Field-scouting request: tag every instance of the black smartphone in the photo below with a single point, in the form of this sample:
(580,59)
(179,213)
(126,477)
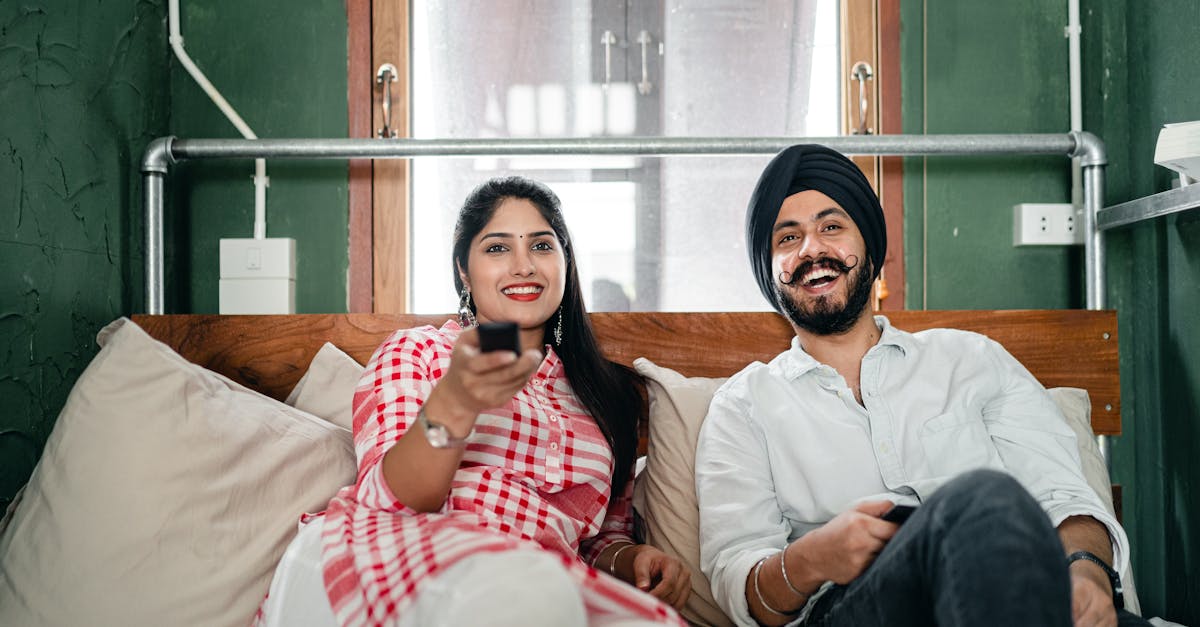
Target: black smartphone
(899,513)
(499,336)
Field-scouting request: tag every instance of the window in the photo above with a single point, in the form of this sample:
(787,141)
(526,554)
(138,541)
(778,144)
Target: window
(651,233)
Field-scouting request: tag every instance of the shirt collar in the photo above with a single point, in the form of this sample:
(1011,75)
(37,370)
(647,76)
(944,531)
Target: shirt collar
(795,362)
(552,365)
(891,336)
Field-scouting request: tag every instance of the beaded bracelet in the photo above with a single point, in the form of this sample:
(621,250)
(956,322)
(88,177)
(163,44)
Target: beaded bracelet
(788,582)
(612,566)
(757,592)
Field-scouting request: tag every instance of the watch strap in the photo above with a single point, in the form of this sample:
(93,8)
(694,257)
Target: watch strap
(1113,577)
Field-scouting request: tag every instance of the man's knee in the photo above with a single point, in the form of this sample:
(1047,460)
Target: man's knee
(989,488)
(991,500)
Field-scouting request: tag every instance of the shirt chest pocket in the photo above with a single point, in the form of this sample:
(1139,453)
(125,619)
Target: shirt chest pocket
(956,442)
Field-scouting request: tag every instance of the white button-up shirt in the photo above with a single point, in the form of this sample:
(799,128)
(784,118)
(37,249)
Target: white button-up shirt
(786,447)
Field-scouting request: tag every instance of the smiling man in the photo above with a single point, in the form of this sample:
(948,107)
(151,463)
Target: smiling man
(801,459)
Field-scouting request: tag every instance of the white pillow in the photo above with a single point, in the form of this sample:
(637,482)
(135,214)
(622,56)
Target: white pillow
(1077,407)
(665,494)
(165,496)
(327,388)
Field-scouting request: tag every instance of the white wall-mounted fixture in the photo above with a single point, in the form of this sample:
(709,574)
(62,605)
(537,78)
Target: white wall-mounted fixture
(258,276)
(1047,224)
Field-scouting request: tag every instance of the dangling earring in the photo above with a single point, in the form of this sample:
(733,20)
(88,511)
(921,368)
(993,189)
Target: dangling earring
(558,328)
(466,317)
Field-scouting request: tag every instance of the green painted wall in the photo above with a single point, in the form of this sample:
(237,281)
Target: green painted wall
(1154,270)
(82,93)
(976,66)
(85,86)
(283,69)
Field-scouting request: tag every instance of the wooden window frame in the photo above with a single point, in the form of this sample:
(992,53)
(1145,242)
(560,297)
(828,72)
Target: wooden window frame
(379,212)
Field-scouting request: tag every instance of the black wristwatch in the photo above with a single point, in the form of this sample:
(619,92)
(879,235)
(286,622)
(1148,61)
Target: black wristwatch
(1113,577)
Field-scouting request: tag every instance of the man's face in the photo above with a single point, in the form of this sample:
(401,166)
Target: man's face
(818,257)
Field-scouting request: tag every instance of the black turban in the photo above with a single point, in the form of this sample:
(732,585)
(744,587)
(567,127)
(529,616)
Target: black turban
(800,168)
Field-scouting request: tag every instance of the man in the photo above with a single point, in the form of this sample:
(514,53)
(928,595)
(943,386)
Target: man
(799,459)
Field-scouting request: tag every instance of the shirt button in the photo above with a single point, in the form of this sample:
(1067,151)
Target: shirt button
(554,446)
(553,418)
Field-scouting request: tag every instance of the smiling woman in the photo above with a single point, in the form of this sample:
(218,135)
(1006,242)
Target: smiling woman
(477,464)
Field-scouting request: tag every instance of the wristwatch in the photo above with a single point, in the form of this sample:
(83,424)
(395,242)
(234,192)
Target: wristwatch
(1113,577)
(438,435)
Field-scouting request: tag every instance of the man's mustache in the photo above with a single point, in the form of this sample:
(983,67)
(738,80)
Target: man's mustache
(829,262)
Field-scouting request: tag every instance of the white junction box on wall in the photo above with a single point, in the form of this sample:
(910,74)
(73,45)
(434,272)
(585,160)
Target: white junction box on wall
(1046,224)
(258,276)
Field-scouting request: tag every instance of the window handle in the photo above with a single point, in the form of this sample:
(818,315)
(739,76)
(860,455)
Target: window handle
(644,86)
(862,73)
(386,75)
(608,39)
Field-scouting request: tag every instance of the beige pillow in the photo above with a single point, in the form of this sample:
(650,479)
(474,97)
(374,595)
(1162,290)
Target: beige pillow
(327,388)
(665,494)
(165,496)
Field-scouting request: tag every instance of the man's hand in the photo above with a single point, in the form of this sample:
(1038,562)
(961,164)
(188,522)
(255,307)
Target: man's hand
(841,549)
(1091,596)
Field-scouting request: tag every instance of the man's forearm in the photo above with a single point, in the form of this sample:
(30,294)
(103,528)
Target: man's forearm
(1084,533)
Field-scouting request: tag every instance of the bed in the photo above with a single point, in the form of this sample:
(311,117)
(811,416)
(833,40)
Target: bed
(187,451)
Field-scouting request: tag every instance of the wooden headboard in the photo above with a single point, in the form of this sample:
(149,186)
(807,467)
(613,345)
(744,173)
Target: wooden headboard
(1075,348)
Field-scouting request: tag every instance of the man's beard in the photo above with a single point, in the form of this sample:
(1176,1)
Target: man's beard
(822,316)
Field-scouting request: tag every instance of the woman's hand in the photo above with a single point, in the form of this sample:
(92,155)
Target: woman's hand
(661,575)
(476,381)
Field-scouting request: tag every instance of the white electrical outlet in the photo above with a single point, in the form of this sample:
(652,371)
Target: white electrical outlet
(258,276)
(1046,224)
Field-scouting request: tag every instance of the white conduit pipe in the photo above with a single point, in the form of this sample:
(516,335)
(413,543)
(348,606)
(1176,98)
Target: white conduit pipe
(1075,81)
(1076,94)
(261,182)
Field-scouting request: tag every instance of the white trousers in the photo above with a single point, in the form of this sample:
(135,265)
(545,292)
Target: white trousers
(510,589)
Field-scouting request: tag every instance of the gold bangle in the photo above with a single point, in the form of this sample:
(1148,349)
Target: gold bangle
(786,581)
(612,566)
(758,593)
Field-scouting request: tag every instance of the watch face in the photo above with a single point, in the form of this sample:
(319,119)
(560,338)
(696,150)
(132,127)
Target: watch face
(437,435)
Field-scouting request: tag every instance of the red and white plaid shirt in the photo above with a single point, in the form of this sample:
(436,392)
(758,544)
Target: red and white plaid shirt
(535,473)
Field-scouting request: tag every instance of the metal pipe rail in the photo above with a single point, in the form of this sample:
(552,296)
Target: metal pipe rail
(164,152)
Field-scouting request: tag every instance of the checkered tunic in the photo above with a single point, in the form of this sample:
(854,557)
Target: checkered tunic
(535,473)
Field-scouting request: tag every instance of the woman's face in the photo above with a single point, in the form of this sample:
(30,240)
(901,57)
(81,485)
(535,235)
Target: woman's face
(516,269)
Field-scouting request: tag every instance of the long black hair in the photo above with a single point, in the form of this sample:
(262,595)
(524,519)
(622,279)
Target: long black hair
(607,390)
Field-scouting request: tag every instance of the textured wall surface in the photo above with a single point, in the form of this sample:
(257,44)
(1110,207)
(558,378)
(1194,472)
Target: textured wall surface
(82,91)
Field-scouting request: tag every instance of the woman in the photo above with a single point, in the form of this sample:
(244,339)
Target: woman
(486,482)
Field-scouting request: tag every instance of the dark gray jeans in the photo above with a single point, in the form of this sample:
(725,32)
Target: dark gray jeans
(980,551)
